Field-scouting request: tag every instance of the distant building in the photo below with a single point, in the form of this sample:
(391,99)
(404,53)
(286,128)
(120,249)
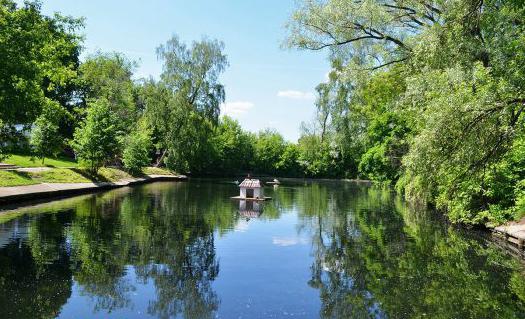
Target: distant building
(251,188)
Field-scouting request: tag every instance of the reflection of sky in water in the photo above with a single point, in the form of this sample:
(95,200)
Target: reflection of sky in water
(289,241)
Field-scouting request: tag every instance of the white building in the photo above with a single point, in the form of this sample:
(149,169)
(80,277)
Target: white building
(251,188)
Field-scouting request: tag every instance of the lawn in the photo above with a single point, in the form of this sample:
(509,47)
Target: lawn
(77,175)
(28,161)
(70,175)
(12,178)
(60,175)
(157,171)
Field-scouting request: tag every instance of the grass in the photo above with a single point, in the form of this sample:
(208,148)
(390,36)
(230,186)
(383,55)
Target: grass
(156,171)
(72,175)
(78,175)
(60,175)
(13,178)
(112,174)
(28,161)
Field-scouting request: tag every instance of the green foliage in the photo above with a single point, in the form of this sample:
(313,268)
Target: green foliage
(136,149)
(4,138)
(427,95)
(108,76)
(45,139)
(268,148)
(315,157)
(183,107)
(288,164)
(96,140)
(38,60)
(234,148)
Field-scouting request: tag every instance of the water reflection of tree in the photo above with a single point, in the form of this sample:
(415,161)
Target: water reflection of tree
(374,257)
(164,234)
(168,238)
(35,279)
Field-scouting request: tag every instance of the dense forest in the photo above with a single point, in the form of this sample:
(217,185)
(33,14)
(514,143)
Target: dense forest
(424,96)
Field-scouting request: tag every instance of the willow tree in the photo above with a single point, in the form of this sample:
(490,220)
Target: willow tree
(184,105)
(461,69)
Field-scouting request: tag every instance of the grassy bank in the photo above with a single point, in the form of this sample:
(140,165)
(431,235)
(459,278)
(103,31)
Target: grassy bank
(28,161)
(70,175)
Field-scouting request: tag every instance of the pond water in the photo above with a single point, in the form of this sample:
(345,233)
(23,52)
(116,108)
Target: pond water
(186,250)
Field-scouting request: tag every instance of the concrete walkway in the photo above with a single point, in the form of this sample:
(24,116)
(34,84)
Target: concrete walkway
(45,190)
(33,169)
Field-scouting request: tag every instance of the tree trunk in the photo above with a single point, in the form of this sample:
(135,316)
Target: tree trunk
(159,161)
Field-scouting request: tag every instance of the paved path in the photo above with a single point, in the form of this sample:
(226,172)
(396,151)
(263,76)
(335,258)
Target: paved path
(15,193)
(7,166)
(33,169)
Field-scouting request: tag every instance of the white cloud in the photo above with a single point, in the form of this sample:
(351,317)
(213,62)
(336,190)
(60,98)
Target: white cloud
(236,108)
(327,77)
(296,95)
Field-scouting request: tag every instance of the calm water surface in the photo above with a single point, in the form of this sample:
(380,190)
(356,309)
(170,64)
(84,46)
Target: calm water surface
(185,250)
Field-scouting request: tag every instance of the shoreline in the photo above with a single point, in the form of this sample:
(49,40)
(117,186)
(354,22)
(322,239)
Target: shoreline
(20,194)
(509,236)
(512,233)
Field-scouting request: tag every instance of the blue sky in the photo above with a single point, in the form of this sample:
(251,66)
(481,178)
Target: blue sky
(266,86)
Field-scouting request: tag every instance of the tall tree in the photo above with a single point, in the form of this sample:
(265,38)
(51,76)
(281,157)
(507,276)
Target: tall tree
(38,60)
(109,76)
(457,102)
(233,147)
(184,106)
(269,147)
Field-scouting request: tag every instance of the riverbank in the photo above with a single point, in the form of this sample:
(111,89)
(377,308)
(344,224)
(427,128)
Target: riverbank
(512,234)
(15,194)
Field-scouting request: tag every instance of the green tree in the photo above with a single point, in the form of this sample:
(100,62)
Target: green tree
(424,91)
(38,60)
(45,139)
(288,164)
(269,147)
(96,140)
(137,147)
(108,76)
(184,106)
(233,147)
